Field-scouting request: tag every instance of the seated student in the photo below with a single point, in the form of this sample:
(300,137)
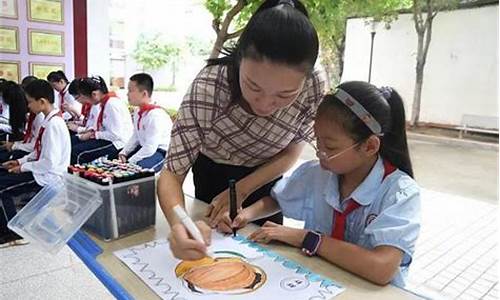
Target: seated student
(113,126)
(15,104)
(149,143)
(83,120)
(63,100)
(14,96)
(360,204)
(43,166)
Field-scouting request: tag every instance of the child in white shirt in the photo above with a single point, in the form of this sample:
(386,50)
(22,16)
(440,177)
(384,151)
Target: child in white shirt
(149,143)
(45,165)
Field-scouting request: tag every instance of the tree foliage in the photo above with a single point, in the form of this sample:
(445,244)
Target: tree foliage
(152,52)
(329,17)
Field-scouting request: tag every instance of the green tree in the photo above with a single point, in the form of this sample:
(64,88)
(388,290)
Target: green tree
(226,13)
(152,52)
(329,17)
(424,12)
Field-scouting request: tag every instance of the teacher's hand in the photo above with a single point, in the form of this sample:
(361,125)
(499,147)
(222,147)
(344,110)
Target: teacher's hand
(220,205)
(184,247)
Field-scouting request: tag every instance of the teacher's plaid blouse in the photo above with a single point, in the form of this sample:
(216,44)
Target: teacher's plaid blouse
(210,123)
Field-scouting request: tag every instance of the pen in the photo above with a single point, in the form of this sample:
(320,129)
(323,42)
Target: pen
(232,202)
(190,226)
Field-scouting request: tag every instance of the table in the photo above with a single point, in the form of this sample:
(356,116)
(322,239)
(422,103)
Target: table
(124,284)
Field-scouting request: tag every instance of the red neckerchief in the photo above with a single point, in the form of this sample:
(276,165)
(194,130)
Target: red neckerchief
(144,109)
(27,134)
(339,218)
(85,112)
(38,143)
(104,100)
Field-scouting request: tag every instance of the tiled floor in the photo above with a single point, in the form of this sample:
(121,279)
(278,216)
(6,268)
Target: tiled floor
(28,273)
(456,254)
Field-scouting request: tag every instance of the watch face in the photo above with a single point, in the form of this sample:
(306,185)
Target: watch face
(310,243)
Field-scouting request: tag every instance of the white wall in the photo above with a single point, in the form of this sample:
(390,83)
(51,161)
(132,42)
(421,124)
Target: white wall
(98,50)
(461,73)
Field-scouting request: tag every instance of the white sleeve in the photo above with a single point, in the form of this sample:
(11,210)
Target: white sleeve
(50,152)
(111,124)
(5,128)
(26,147)
(25,159)
(132,143)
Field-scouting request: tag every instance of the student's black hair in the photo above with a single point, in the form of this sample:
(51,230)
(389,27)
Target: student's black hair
(386,106)
(56,76)
(27,80)
(279,31)
(2,85)
(40,89)
(89,84)
(13,95)
(144,82)
(74,87)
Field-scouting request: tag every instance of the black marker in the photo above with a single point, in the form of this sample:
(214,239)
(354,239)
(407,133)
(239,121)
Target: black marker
(232,202)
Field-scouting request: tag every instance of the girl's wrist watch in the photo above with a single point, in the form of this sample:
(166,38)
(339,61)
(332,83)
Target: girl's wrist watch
(311,243)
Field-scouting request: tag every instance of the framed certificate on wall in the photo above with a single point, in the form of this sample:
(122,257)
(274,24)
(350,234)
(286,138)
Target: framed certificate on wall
(45,42)
(41,70)
(10,70)
(8,9)
(49,11)
(9,39)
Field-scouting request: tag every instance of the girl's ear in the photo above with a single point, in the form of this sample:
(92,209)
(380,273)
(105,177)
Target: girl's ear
(371,146)
(95,94)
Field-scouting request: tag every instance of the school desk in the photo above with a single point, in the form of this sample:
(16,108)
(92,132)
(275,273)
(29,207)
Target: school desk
(124,284)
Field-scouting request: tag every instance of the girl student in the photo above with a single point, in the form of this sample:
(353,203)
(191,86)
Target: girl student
(360,204)
(14,102)
(64,100)
(21,143)
(113,127)
(246,116)
(84,119)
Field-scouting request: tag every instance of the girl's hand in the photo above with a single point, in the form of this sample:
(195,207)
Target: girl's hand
(271,231)
(15,170)
(10,164)
(87,136)
(225,225)
(72,126)
(184,247)
(220,205)
(122,158)
(7,146)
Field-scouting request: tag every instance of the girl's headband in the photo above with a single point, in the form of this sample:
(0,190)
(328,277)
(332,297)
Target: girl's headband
(359,111)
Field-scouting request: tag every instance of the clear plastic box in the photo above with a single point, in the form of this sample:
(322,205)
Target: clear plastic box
(127,207)
(53,216)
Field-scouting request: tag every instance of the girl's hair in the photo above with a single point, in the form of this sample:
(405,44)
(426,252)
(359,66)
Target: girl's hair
(56,76)
(13,95)
(89,84)
(279,31)
(27,80)
(386,106)
(74,87)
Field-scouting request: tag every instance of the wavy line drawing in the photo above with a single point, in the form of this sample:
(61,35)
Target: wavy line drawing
(241,275)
